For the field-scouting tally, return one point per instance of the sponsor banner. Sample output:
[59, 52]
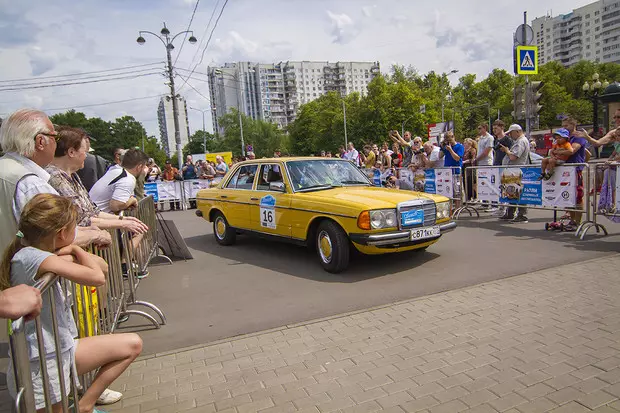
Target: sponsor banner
[522, 186]
[488, 184]
[150, 189]
[429, 181]
[445, 182]
[191, 187]
[163, 191]
[226, 155]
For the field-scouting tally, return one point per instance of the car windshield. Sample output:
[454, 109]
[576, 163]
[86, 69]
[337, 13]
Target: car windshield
[324, 174]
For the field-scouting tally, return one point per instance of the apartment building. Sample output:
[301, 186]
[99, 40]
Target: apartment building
[591, 32]
[274, 91]
[165, 119]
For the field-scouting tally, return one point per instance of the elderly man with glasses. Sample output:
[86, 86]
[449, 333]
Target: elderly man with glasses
[29, 141]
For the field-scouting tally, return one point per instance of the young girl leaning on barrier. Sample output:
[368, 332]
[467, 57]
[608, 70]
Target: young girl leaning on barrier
[42, 245]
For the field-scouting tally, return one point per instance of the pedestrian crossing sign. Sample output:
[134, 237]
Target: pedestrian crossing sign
[527, 63]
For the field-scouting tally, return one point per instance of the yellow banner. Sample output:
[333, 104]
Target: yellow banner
[226, 155]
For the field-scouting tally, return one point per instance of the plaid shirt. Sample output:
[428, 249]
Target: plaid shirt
[70, 186]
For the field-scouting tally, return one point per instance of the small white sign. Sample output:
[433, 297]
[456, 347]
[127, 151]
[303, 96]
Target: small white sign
[268, 212]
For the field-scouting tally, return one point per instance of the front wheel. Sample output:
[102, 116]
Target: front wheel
[332, 246]
[224, 234]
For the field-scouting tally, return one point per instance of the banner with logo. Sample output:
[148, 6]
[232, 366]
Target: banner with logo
[191, 187]
[522, 186]
[163, 190]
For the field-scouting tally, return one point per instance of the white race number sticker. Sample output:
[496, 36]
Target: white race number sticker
[268, 212]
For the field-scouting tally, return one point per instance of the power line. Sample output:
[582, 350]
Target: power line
[54, 82]
[77, 83]
[204, 34]
[195, 90]
[208, 41]
[81, 74]
[101, 104]
[188, 27]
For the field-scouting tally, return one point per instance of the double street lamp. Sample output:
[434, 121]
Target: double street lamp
[167, 40]
[235, 77]
[204, 130]
[592, 91]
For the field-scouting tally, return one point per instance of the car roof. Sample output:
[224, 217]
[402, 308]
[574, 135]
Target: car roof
[290, 158]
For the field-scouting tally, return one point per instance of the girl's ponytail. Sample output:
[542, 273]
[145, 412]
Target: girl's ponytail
[5, 267]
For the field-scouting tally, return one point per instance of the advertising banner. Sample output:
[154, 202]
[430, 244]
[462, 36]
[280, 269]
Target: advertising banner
[444, 182]
[150, 189]
[192, 187]
[226, 155]
[163, 191]
[522, 186]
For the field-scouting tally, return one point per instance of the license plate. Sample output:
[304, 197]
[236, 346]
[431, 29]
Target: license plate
[412, 217]
[423, 233]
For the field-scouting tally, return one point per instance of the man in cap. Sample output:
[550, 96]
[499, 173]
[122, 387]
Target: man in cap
[517, 154]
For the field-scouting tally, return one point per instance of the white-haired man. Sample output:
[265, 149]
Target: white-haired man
[221, 168]
[29, 140]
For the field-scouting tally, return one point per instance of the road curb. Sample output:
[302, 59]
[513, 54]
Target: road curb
[355, 312]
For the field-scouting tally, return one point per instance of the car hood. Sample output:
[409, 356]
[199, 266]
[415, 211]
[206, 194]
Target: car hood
[368, 197]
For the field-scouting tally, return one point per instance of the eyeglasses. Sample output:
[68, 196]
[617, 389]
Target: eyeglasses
[56, 136]
[617, 117]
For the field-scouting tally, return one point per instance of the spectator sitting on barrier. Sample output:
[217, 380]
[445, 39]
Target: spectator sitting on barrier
[430, 157]
[517, 154]
[171, 174]
[69, 158]
[29, 141]
[469, 159]
[20, 301]
[154, 172]
[549, 163]
[452, 152]
[42, 245]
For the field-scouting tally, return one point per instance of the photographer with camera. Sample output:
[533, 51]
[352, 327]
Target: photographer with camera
[452, 152]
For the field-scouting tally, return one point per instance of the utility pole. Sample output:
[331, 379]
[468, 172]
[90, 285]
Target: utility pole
[167, 42]
[344, 112]
[204, 130]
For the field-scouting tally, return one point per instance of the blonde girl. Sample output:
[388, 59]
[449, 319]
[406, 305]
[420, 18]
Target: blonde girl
[44, 244]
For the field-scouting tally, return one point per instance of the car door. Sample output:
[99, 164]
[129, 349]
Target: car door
[234, 197]
[270, 210]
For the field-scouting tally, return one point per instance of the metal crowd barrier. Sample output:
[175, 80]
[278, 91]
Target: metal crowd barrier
[604, 197]
[444, 181]
[20, 359]
[137, 259]
[181, 192]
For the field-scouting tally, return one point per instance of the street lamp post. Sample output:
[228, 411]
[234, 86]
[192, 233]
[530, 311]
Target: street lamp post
[453, 71]
[592, 91]
[167, 41]
[403, 125]
[236, 79]
[344, 115]
[204, 130]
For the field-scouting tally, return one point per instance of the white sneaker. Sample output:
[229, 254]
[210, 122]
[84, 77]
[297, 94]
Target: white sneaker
[109, 397]
[500, 212]
[491, 209]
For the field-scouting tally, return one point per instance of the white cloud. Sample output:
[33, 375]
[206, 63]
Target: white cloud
[343, 29]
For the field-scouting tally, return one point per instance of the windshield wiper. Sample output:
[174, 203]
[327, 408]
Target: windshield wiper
[317, 187]
[354, 182]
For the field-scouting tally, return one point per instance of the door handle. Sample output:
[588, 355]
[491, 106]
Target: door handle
[223, 196]
[253, 199]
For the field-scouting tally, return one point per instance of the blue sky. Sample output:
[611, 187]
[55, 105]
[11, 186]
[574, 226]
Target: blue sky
[47, 38]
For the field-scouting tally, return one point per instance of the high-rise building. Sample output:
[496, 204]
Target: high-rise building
[274, 91]
[591, 32]
[165, 118]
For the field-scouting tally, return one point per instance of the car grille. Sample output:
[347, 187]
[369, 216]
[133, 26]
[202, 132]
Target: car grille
[430, 212]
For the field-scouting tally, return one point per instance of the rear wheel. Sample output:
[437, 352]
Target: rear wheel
[224, 234]
[332, 247]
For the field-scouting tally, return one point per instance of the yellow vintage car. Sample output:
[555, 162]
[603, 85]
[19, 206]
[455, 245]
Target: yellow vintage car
[324, 203]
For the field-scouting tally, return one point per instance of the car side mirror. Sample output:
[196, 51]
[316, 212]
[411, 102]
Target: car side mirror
[277, 186]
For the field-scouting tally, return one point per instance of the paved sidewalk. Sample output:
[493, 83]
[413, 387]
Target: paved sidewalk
[545, 341]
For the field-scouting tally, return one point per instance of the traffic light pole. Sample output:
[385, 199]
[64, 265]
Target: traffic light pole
[527, 107]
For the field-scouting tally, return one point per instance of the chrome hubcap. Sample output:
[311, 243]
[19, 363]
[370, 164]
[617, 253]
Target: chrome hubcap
[325, 247]
[220, 228]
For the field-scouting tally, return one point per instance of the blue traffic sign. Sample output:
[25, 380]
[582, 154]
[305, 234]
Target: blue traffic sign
[527, 60]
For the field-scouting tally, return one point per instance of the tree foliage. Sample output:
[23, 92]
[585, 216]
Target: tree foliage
[124, 132]
[393, 101]
[197, 142]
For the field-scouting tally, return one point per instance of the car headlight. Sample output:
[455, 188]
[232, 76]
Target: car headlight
[383, 218]
[443, 210]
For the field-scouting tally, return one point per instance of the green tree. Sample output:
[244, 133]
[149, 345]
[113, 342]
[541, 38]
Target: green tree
[197, 141]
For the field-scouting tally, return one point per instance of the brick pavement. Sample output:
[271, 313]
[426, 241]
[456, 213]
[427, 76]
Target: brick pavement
[544, 341]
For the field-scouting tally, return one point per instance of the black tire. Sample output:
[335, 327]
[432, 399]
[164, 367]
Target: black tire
[226, 235]
[332, 247]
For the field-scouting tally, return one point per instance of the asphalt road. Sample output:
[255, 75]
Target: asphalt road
[257, 284]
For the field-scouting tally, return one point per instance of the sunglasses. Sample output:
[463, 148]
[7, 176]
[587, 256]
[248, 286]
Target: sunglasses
[56, 136]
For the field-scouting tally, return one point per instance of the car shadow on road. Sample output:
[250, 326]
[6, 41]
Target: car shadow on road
[592, 242]
[301, 262]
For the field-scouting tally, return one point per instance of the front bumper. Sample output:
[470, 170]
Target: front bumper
[397, 239]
